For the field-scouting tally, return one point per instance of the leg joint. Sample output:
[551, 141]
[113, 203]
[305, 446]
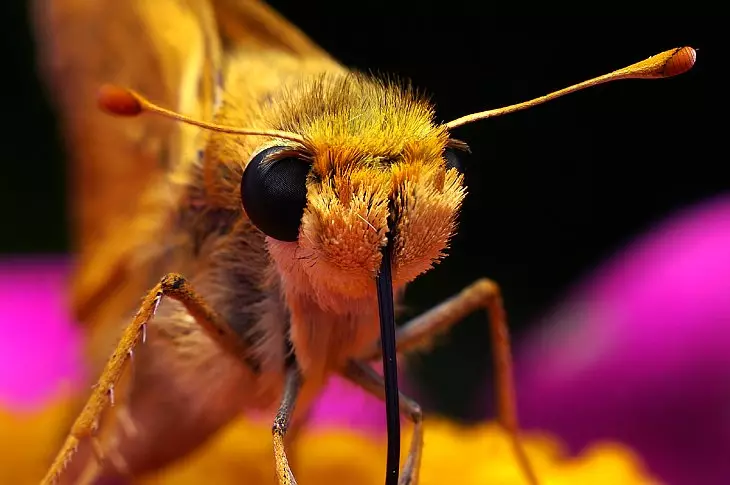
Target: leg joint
[279, 427]
[415, 412]
[172, 282]
[487, 289]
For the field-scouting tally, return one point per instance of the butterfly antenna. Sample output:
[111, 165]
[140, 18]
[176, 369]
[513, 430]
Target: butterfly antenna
[125, 102]
[667, 64]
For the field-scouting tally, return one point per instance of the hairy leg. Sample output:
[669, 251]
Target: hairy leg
[87, 423]
[482, 294]
[292, 386]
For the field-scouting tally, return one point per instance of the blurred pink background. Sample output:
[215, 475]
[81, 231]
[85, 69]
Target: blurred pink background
[39, 349]
[640, 352]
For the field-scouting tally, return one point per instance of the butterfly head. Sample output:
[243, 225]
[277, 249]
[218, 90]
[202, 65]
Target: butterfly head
[373, 166]
[352, 163]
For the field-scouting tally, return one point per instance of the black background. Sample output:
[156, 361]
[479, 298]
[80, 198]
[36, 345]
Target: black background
[553, 191]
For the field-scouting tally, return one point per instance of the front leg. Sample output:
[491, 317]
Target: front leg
[173, 286]
[292, 386]
[482, 294]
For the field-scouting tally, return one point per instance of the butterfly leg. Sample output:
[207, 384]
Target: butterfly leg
[292, 386]
[173, 286]
[482, 294]
[366, 377]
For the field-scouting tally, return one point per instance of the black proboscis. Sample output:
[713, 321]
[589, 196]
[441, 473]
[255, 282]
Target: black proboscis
[384, 283]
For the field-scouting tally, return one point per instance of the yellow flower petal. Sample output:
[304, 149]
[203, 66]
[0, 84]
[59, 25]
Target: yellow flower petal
[453, 454]
[29, 442]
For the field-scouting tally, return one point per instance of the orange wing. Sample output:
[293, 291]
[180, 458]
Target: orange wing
[119, 196]
[173, 52]
[253, 24]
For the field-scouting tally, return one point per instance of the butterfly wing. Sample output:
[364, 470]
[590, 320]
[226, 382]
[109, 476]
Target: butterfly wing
[173, 51]
[254, 24]
[168, 50]
[122, 191]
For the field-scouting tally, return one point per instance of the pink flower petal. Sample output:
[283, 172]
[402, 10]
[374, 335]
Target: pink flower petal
[641, 352]
[39, 348]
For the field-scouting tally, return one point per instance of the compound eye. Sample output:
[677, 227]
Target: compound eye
[274, 193]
